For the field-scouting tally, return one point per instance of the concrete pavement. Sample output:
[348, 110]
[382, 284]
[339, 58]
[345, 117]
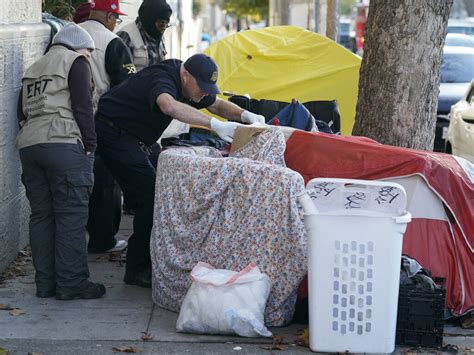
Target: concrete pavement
[122, 317]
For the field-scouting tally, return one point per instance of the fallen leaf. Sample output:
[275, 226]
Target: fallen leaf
[276, 344]
[303, 339]
[277, 339]
[4, 351]
[5, 307]
[17, 312]
[275, 347]
[35, 353]
[127, 349]
[237, 348]
[117, 257]
[147, 336]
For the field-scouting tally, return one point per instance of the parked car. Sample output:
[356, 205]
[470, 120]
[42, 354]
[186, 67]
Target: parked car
[461, 26]
[457, 71]
[460, 140]
[459, 40]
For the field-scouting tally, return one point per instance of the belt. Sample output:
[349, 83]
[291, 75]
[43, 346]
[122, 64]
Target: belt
[107, 122]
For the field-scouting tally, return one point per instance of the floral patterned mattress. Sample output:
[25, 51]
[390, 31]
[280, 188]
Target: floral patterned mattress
[229, 212]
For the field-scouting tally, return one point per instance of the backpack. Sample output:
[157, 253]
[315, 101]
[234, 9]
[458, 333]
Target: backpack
[295, 115]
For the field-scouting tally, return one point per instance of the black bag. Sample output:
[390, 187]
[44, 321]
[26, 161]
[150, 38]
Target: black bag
[326, 113]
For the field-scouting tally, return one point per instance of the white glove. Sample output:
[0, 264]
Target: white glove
[225, 130]
[249, 117]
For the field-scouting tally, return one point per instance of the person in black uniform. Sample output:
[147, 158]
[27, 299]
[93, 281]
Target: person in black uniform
[133, 115]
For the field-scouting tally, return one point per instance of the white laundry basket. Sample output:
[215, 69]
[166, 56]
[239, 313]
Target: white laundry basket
[355, 230]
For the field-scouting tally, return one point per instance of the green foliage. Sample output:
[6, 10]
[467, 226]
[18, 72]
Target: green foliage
[197, 7]
[346, 7]
[63, 9]
[257, 9]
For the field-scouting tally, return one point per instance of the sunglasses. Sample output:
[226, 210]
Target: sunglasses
[163, 23]
[118, 20]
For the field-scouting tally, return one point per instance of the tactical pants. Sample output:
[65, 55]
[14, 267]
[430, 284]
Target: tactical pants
[105, 209]
[58, 179]
[131, 165]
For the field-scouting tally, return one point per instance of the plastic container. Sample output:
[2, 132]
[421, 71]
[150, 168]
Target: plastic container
[355, 232]
[420, 319]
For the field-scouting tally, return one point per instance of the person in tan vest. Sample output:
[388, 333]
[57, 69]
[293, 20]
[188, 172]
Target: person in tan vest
[144, 36]
[111, 64]
[57, 141]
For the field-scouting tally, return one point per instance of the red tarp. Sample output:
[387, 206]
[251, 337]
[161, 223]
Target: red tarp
[446, 248]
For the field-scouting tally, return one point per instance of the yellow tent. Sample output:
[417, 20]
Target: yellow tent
[285, 62]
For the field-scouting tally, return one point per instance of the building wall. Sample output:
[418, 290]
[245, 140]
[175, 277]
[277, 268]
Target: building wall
[23, 39]
[309, 14]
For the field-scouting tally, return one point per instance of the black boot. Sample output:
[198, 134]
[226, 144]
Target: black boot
[90, 290]
[138, 278]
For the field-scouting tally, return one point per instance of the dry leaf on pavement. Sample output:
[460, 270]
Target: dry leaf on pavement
[147, 336]
[303, 339]
[17, 312]
[127, 349]
[35, 353]
[277, 344]
[5, 307]
[275, 347]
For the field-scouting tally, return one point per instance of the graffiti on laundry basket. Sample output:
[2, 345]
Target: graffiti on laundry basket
[355, 200]
[387, 194]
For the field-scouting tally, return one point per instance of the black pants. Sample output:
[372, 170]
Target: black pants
[133, 169]
[58, 180]
[105, 209]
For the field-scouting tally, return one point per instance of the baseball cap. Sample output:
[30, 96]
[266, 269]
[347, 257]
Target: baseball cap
[107, 6]
[204, 70]
[74, 37]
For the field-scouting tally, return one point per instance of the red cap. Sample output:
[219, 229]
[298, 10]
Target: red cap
[107, 6]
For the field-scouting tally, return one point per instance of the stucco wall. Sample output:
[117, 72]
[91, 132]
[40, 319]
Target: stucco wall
[22, 40]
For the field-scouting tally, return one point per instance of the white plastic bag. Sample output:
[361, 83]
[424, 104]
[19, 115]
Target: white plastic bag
[225, 302]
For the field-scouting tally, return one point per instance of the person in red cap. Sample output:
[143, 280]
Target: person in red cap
[111, 64]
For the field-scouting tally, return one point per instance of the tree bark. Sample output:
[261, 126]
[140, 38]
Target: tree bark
[399, 75]
[332, 21]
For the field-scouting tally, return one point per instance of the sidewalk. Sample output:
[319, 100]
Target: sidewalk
[123, 317]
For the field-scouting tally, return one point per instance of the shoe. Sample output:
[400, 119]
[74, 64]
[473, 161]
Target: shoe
[89, 291]
[138, 278]
[45, 294]
[119, 246]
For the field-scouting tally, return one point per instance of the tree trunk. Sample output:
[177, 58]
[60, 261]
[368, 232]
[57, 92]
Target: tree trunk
[332, 21]
[399, 75]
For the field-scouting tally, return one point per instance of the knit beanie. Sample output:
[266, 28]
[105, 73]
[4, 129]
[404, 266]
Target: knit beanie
[74, 37]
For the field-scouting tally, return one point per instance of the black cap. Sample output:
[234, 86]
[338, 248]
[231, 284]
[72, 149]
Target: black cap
[204, 70]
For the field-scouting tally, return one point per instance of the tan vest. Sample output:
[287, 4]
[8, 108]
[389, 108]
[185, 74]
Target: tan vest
[47, 100]
[102, 37]
[140, 51]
